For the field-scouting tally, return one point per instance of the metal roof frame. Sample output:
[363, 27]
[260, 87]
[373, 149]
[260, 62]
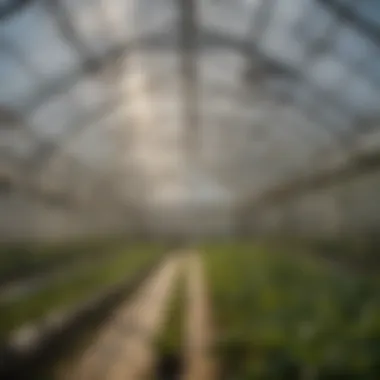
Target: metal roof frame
[192, 40]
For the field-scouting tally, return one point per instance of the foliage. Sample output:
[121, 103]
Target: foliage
[80, 287]
[169, 341]
[25, 259]
[168, 344]
[283, 315]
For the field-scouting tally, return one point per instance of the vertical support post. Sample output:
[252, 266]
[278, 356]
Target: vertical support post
[258, 25]
[189, 75]
[68, 32]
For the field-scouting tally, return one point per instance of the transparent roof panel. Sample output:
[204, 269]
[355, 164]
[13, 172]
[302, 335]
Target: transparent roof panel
[271, 88]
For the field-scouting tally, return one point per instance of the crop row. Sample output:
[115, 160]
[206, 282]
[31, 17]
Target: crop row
[78, 288]
[285, 315]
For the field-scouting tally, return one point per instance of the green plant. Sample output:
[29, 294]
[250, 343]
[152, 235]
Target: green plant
[80, 287]
[282, 314]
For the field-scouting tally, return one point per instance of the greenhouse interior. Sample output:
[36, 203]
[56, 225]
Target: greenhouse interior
[189, 189]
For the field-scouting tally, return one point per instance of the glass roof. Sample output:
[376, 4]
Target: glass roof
[273, 89]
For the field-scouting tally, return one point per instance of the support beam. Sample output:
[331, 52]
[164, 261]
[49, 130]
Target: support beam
[68, 31]
[46, 152]
[359, 165]
[9, 8]
[189, 76]
[349, 14]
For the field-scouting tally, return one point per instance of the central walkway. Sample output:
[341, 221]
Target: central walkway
[124, 347]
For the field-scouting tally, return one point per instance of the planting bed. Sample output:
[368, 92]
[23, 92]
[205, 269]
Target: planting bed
[79, 287]
[25, 260]
[281, 315]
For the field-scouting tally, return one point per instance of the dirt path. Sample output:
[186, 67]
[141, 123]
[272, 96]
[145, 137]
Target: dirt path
[123, 349]
[199, 363]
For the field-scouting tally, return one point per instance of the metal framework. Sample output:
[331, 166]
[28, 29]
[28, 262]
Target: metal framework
[194, 38]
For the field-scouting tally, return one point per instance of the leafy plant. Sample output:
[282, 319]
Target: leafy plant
[290, 316]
